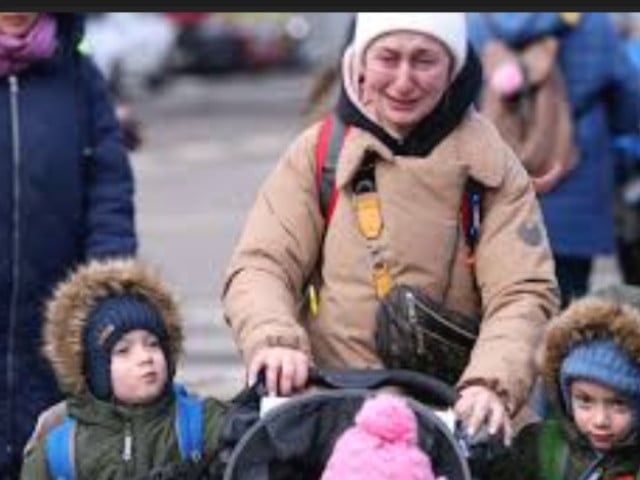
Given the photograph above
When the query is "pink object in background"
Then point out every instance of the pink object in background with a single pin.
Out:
(507, 79)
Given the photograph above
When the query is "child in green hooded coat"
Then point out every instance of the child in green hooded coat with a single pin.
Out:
(591, 369)
(113, 335)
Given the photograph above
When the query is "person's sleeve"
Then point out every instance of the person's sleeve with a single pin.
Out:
(215, 414)
(34, 465)
(479, 35)
(520, 460)
(110, 215)
(517, 27)
(276, 254)
(516, 279)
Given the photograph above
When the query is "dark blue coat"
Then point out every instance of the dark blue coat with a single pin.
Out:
(579, 212)
(59, 205)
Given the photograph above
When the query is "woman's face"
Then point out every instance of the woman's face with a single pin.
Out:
(602, 415)
(17, 24)
(405, 76)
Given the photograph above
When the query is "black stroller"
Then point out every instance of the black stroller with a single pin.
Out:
(293, 441)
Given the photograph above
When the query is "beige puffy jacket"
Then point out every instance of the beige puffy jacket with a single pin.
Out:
(512, 285)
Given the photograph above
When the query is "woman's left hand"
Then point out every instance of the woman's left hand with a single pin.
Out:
(480, 406)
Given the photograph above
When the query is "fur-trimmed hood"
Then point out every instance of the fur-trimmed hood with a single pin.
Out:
(611, 313)
(68, 309)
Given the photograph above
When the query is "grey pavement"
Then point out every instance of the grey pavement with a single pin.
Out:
(209, 144)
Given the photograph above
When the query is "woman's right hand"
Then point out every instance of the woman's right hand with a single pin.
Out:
(286, 369)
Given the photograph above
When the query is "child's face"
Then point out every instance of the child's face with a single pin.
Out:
(602, 415)
(138, 368)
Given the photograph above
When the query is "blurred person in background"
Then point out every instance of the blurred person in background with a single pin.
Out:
(132, 50)
(414, 142)
(325, 83)
(627, 211)
(604, 95)
(66, 195)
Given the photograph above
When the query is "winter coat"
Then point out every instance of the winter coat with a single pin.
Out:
(58, 206)
(539, 445)
(605, 98)
(101, 435)
(420, 182)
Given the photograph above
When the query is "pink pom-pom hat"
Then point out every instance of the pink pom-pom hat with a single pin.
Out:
(382, 445)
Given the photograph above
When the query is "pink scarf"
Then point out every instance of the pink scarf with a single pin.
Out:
(17, 53)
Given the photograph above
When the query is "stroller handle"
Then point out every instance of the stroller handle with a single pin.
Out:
(415, 384)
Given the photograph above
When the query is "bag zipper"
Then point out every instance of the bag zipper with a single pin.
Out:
(442, 319)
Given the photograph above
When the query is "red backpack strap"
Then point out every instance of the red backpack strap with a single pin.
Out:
(330, 140)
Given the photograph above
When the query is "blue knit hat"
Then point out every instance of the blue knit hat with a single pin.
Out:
(602, 361)
(112, 318)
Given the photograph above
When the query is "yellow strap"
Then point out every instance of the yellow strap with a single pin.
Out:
(370, 223)
(369, 215)
(382, 280)
(570, 18)
(313, 300)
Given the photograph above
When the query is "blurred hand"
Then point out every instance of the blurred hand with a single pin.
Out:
(286, 369)
(130, 125)
(479, 406)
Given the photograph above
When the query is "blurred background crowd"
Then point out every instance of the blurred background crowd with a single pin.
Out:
(141, 51)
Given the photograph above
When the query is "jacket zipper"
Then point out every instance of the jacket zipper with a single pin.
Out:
(413, 318)
(14, 91)
(444, 320)
(127, 448)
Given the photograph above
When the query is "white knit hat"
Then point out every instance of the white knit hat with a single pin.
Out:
(448, 27)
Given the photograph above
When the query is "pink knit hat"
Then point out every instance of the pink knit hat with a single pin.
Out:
(382, 445)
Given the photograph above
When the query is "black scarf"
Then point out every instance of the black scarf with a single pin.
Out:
(432, 129)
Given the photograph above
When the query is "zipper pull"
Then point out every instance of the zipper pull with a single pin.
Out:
(13, 83)
(411, 307)
(127, 451)
(413, 318)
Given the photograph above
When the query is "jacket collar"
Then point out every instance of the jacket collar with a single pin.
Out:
(91, 410)
(465, 148)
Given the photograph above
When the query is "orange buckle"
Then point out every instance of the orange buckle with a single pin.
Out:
(369, 215)
(382, 279)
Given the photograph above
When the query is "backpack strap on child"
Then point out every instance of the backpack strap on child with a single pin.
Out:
(59, 450)
(189, 423)
(189, 428)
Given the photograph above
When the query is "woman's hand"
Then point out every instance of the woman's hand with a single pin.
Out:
(479, 406)
(286, 369)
